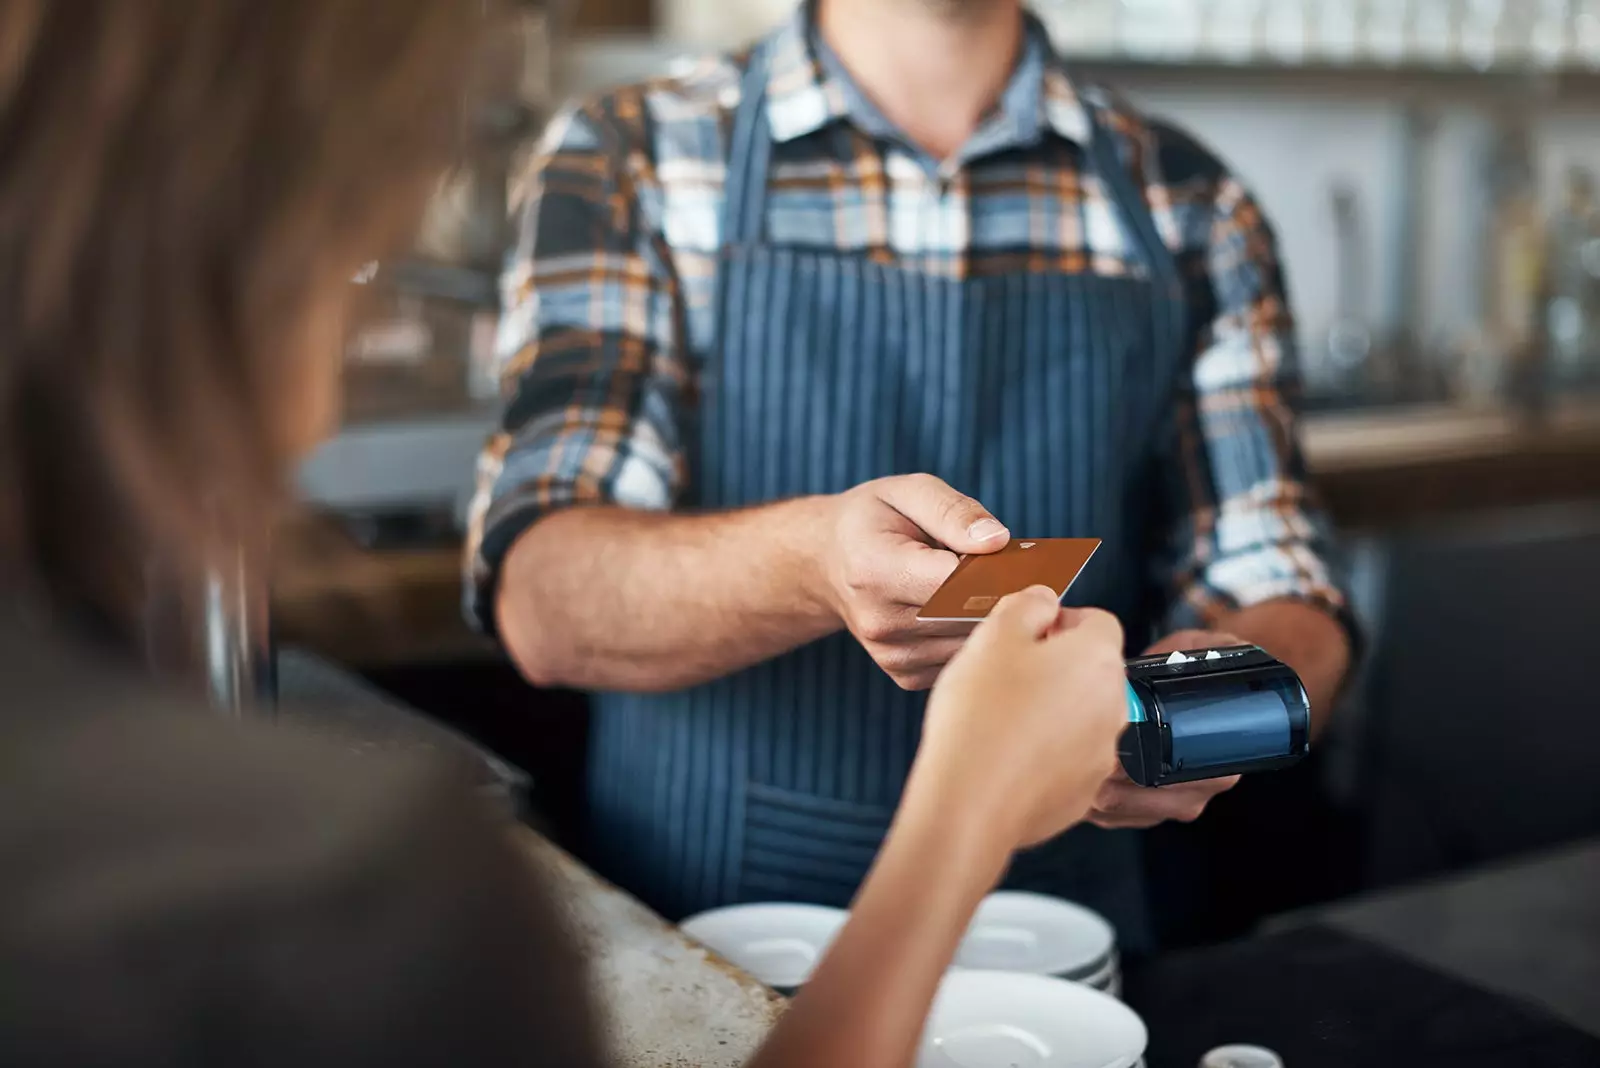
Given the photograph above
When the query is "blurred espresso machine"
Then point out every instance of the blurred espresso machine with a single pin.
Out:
(421, 385)
(420, 391)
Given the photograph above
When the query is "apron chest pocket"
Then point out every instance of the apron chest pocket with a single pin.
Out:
(801, 847)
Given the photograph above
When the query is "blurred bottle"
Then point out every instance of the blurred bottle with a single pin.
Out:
(1572, 314)
(1502, 364)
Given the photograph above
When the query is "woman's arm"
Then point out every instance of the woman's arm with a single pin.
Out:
(1020, 731)
(866, 1003)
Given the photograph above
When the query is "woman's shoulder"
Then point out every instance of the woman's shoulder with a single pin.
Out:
(162, 859)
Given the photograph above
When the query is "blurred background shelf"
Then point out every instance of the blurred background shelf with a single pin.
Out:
(1379, 470)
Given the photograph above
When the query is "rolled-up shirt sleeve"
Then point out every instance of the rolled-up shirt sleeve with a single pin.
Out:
(589, 345)
(1245, 526)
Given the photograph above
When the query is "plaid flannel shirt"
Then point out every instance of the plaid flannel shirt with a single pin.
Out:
(608, 297)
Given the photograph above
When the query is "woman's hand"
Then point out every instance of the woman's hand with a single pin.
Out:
(1022, 726)
(1021, 731)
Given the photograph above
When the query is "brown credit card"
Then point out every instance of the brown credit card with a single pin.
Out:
(978, 582)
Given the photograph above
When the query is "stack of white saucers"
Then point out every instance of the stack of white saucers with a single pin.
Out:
(779, 944)
(1039, 935)
(1014, 1020)
(1021, 995)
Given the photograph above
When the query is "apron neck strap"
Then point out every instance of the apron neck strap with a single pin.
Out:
(1130, 200)
(749, 155)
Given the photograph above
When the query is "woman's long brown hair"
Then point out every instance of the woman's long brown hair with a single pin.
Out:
(186, 187)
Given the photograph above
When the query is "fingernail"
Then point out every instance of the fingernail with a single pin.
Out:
(985, 530)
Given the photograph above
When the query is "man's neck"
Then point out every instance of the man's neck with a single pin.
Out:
(933, 67)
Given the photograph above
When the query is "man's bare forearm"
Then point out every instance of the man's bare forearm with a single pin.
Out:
(616, 599)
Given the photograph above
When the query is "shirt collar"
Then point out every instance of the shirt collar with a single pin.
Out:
(805, 93)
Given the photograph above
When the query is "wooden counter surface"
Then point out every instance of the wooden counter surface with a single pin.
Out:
(1376, 470)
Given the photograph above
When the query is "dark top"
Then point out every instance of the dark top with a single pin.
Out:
(178, 890)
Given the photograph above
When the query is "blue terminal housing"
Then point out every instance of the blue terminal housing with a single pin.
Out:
(1212, 713)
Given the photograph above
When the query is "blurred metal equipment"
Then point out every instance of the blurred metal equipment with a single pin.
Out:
(240, 661)
(210, 632)
(1572, 311)
(421, 384)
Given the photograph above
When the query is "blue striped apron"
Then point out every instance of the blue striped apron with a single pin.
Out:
(1039, 394)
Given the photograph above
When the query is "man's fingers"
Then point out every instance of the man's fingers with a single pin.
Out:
(1121, 804)
(950, 518)
(915, 658)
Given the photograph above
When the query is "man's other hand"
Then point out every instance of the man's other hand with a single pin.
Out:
(1123, 803)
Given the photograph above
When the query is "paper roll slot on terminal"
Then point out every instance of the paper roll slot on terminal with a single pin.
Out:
(1210, 713)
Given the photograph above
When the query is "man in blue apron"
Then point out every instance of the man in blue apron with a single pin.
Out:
(786, 334)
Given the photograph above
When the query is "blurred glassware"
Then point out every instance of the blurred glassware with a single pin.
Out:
(1435, 32)
(718, 25)
(1586, 33)
(1336, 37)
(1388, 29)
(1551, 36)
(1232, 29)
(1572, 314)
(213, 631)
(1082, 27)
(1159, 29)
(1480, 27)
(1346, 359)
(1497, 33)
(1285, 30)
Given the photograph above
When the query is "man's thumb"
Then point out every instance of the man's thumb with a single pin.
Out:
(950, 518)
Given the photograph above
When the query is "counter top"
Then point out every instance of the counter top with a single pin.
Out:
(1477, 970)
(666, 1001)
(321, 699)
(1489, 968)
(1377, 470)
(1529, 930)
